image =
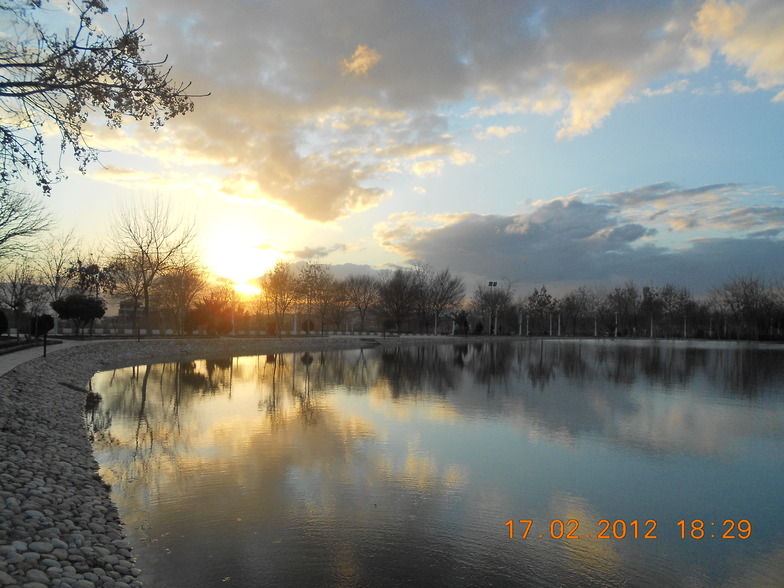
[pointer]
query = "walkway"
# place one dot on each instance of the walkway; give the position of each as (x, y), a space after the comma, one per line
(9, 361)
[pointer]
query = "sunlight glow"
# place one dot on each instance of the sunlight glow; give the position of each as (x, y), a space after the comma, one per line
(239, 254)
(247, 289)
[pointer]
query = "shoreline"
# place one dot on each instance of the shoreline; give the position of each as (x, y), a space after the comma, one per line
(58, 523)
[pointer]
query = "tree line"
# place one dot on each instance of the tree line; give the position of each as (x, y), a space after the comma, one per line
(151, 269)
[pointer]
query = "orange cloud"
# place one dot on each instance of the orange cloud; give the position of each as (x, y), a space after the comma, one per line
(361, 62)
(594, 91)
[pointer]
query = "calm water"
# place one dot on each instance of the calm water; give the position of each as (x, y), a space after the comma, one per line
(403, 466)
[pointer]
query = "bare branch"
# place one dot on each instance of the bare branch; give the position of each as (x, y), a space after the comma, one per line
(65, 77)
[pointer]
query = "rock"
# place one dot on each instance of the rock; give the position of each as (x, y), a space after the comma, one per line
(36, 575)
(31, 556)
(59, 543)
(35, 514)
(41, 547)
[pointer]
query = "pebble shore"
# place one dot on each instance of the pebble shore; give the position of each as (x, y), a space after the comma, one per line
(58, 524)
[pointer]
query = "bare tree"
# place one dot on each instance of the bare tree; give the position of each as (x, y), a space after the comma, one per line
(61, 78)
(150, 236)
(339, 303)
(625, 304)
(576, 305)
(492, 301)
(446, 292)
(54, 261)
(177, 289)
(21, 218)
(676, 303)
(362, 292)
(312, 286)
(129, 280)
(746, 299)
(422, 274)
(279, 287)
(397, 296)
(324, 295)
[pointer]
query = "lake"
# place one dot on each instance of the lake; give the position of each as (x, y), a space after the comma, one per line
(534, 463)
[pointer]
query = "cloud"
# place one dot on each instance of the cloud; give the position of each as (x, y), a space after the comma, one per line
(740, 88)
(671, 88)
(496, 132)
(428, 168)
(749, 35)
(317, 252)
(594, 91)
(361, 62)
(569, 241)
(317, 102)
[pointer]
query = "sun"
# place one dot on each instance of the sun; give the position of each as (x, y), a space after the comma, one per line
(240, 255)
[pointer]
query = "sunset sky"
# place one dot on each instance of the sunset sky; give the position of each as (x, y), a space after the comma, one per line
(563, 143)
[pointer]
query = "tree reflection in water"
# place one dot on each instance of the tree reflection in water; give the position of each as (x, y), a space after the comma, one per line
(554, 380)
(323, 437)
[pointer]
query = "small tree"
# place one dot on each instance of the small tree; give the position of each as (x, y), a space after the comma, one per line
(18, 290)
(82, 310)
(214, 312)
(92, 278)
(40, 325)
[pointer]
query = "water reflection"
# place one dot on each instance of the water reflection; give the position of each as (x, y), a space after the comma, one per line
(402, 465)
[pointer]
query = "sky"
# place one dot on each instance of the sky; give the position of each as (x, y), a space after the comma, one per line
(562, 143)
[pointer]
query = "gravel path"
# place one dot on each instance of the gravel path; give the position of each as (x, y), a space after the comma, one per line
(58, 524)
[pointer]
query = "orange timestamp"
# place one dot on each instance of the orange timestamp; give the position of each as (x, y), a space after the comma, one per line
(621, 529)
